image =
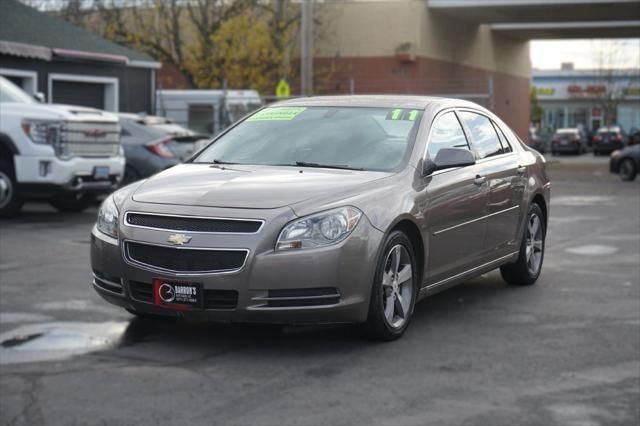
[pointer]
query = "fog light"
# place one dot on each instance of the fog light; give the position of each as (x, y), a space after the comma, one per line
(44, 168)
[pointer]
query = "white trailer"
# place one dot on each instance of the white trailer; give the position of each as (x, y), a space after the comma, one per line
(206, 111)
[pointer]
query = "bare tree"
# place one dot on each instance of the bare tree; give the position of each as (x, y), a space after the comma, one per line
(614, 77)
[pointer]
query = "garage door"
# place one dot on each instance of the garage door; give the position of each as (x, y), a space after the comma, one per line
(77, 93)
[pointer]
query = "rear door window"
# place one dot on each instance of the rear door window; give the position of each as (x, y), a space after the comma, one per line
(446, 133)
(483, 135)
(503, 140)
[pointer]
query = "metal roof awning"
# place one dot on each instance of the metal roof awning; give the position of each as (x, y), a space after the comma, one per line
(25, 50)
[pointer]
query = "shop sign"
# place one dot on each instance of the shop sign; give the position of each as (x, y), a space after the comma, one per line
(545, 91)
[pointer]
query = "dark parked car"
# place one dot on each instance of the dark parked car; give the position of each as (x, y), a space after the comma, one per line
(152, 144)
(569, 140)
(626, 162)
(537, 141)
(634, 137)
(607, 139)
(337, 209)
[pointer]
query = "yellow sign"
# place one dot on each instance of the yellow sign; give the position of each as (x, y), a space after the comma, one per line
(282, 89)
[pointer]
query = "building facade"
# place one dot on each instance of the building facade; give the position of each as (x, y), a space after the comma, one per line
(69, 65)
(588, 98)
(404, 46)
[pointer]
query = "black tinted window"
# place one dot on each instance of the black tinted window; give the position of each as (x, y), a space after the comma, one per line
(503, 140)
(485, 139)
(446, 133)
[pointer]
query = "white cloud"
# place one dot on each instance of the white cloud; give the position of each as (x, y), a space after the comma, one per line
(615, 53)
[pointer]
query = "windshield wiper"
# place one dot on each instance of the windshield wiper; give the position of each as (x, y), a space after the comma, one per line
(216, 161)
(327, 166)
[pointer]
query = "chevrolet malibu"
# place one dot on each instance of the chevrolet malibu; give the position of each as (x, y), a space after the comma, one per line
(328, 210)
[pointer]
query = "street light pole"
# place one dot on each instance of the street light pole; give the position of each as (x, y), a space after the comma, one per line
(306, 57)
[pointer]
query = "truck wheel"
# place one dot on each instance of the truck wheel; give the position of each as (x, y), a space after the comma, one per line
(74, 203)
(10, 200)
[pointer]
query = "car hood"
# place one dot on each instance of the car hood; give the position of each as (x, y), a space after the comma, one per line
(60, 112)
(248, 186)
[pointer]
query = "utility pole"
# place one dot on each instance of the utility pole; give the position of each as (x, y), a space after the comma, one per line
(306, 57)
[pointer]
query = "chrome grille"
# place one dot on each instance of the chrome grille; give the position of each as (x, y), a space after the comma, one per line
(89, 139)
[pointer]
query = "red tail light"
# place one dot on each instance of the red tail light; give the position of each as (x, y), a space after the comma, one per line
(597, 138)
(160, 148)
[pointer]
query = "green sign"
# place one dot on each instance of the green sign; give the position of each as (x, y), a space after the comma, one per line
(276, 114)
(403, 114)
(282, 89)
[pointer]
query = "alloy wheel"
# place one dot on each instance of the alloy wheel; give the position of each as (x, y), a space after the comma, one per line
(534, 244)
(397, 286)
(6, 189)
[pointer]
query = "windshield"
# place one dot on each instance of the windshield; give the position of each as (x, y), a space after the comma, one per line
(9, 92)
(335, 137)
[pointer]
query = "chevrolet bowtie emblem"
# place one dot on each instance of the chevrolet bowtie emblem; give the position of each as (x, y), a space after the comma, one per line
(178, 239)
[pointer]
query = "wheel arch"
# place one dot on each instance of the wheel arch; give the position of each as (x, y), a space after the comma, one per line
(411, 229)
(7, 147)
(538, 198)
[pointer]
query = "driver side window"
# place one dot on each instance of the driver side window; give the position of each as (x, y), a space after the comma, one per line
(446, 133)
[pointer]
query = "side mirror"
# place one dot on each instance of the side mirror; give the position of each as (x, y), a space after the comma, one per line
(39, 96)
(448, 158)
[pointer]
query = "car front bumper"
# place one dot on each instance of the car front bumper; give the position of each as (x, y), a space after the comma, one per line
(347, 267)
(45, 176)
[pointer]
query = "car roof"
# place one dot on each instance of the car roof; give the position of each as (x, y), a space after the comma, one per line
(380, 101)
(609, 129)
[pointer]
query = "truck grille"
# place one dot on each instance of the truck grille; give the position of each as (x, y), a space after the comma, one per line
(182, 260)
(86, 139)
(193, 224)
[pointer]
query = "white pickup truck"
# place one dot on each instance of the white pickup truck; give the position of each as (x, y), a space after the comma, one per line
(63, 154)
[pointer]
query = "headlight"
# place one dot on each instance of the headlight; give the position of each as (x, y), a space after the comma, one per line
(319, 230)
(108, 218)
(42, 132)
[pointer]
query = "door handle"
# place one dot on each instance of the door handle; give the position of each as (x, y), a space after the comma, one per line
(521, 169)
(479, 180)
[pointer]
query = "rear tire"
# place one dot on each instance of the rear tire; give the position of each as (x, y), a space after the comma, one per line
(526, 270)
(74, 203)
(130, 175)
(395, 289)
(10, 200)
(628, 170)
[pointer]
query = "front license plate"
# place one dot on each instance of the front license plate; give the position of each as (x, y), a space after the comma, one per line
(177, 295)
(101, 172)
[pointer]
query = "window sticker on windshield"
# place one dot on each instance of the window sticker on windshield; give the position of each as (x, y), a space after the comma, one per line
(403, 114)
(277, 114)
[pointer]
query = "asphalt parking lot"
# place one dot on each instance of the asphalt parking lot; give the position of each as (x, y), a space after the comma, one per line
(563, 352)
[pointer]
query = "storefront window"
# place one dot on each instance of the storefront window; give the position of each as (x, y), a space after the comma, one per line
(577, 117)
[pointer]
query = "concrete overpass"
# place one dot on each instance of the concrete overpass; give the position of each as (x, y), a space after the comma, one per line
(548, 19)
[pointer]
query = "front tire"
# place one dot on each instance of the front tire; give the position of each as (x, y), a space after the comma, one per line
(10, 200)
(526, 270)
(395, 289)
(628, 170)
